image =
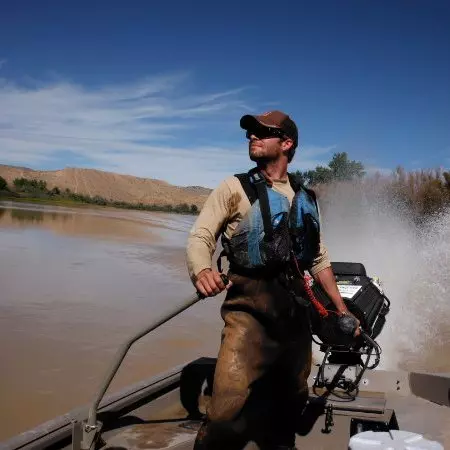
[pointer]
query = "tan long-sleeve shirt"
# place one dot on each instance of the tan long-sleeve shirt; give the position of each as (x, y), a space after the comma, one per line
(222, 212)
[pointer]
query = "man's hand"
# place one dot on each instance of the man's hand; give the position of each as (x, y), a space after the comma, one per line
(327, 280)
(209, 283)
(346, 312)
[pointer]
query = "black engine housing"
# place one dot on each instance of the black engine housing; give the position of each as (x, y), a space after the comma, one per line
(362, 297)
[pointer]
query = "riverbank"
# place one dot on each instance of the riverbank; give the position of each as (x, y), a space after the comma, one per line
(46, 201)
(70, 199)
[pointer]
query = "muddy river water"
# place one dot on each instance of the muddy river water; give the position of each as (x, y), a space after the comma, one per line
(75, 284)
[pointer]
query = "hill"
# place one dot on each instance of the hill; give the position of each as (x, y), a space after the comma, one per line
(111, 186)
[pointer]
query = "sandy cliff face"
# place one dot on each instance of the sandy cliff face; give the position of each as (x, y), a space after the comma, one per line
(111, 186)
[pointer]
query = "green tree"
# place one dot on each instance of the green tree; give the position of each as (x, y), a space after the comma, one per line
(24, 185)
(3, 184)
(183, 208)
(345, 170)
(340, 168)
(97, 200)
(321, 175)
(447, 179)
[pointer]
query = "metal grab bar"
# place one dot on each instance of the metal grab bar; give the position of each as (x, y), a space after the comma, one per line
(123, 350)
(85, 434)
(91, 427)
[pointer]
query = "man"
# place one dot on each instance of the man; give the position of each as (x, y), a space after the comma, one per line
(260, 382)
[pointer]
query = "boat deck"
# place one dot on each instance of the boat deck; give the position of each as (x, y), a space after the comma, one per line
(172, 430)
(166, 425)
(163, 412)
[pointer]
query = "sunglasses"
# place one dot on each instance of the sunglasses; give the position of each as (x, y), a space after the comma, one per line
(264, 133)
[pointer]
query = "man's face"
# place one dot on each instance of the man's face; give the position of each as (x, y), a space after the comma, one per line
(264, 144)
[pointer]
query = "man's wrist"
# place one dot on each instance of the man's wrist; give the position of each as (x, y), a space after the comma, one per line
(206, 269)
(341, 307)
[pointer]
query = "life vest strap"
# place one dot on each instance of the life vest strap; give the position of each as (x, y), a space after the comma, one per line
(260, 184)
(254, 185)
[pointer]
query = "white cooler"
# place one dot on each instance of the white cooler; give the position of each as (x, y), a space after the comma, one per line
(394, 440)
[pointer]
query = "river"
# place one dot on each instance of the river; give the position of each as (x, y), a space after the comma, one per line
(75, 284)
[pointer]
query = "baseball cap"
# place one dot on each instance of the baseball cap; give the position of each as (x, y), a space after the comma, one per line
(272, 119)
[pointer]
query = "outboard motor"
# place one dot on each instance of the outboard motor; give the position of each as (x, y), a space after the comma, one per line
(346, 357)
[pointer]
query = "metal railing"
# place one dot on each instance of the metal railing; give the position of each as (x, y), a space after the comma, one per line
(85, 433)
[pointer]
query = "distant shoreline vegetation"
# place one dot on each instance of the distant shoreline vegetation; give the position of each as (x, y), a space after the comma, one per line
(37, 191)
(423, 192)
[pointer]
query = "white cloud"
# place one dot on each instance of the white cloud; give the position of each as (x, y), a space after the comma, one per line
(155, 128)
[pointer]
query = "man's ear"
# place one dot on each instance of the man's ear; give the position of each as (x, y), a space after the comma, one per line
(286, 145)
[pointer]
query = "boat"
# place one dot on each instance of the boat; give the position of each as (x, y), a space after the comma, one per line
(352, 403)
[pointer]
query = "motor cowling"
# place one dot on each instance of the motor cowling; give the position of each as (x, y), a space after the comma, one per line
(363, 297)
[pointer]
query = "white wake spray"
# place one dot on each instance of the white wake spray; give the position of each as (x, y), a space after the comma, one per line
(413, 262)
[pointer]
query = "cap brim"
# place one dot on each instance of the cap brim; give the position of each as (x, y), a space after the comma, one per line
(249, 121)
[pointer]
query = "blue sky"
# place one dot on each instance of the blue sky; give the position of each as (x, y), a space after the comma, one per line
(156, 89)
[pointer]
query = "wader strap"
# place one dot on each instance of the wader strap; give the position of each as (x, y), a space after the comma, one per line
(265, 273)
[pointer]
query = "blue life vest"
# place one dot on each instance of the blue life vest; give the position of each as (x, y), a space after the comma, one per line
(304, 226)
(273, 231)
